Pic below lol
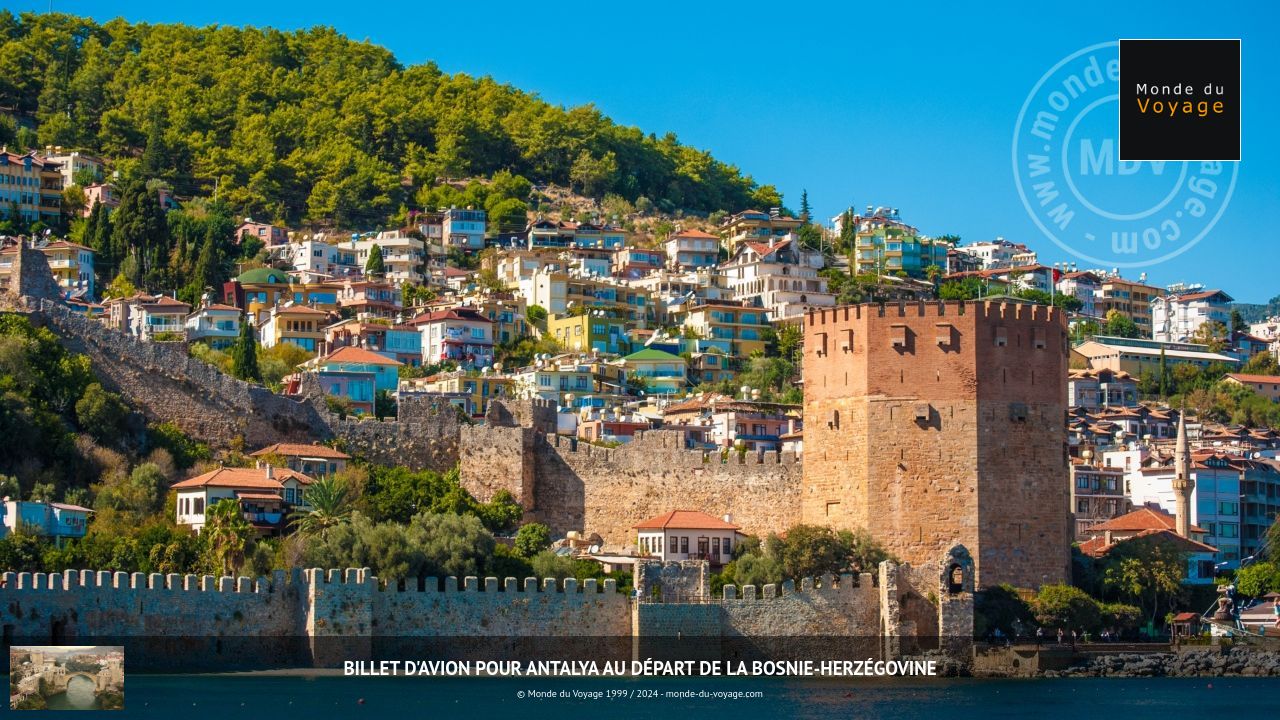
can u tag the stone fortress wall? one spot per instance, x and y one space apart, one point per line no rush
574 485
320 618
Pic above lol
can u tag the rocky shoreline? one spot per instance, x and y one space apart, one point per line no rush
1207 662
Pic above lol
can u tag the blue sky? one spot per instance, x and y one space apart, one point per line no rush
912 107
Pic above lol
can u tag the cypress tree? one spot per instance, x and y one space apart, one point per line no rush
374 267
1164 375
805 210
244 354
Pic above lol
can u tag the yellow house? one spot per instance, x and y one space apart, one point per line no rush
297 324
72 265
258 290
474 389
594 330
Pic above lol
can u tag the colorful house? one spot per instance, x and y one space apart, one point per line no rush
47 519
215 325
297 324
384 370
459 334
266 496
661 372
311 460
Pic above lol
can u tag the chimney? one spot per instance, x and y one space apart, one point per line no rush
1106 538
268 471
728 518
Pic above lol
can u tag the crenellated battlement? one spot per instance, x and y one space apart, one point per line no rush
846 587
1023 312
672 451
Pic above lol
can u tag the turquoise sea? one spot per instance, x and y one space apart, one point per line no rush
270 696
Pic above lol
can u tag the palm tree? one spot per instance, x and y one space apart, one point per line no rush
329 500
227 534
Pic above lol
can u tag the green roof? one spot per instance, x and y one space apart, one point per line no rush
263 276
651 354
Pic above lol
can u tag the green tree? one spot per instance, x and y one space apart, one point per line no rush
227 536
101 414
1148 572
244 354
1163 374
1258 579
374 266
1238 323
141 232
1120 325
328 503
1212 334
531 539
155 161
805 210
1066 607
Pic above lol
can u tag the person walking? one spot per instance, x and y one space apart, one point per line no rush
1039 637
1060 635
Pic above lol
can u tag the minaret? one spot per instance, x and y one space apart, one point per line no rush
1182 482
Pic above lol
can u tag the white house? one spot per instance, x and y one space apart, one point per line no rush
688 535
1177 317
214 324
266 495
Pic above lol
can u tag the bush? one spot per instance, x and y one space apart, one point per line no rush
1067 607
430 545
1001 607
532 539
102 414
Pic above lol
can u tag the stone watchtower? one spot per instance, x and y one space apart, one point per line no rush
937 424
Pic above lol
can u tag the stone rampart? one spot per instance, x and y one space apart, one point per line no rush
166 384
573 485
318 617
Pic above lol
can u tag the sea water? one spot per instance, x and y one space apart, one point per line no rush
257 696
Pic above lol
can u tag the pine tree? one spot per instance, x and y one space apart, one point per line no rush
374 267
805 210
141 231
244 354
155 161
90 234
106 262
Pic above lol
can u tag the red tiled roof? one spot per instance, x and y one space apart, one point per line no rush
1198 295
1097 545
302 450
219 306
253 478
352 354
763 249
1247 378
685 520
454 313
1144 518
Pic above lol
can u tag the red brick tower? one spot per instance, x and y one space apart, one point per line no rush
932 424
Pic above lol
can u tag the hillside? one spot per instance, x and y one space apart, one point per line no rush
312 127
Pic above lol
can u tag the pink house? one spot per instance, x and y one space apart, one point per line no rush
104 193
267 233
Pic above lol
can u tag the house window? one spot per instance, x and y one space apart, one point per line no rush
684 545
675 544
199 506
728 546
